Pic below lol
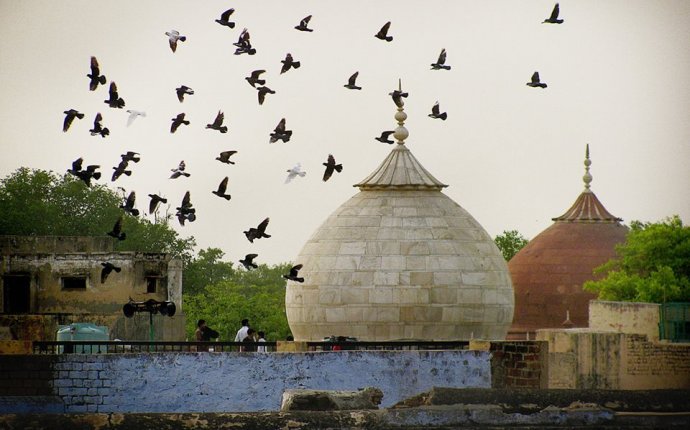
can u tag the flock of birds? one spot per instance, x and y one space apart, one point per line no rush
186 212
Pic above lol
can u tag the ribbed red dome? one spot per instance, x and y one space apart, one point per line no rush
549 272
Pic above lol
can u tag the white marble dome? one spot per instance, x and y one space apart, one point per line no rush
400 260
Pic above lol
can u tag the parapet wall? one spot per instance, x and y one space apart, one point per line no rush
226 382
625 317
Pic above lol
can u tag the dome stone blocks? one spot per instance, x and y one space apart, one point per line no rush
400 264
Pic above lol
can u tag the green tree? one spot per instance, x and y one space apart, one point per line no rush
42 203
510 242
222 295
653 265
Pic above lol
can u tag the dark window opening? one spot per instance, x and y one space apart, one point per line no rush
16 294
151 284
74 283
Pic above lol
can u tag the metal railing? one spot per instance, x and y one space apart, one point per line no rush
126 347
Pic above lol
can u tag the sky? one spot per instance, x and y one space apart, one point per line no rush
618 76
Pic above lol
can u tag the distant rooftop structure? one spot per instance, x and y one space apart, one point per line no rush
549 272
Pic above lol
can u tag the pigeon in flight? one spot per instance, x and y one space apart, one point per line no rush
95 75
535 82
384 137
114 99
225 18
98 127
128 206
108 268
435 112
177 121
218 123
179 171
295 172
182 90
69 117
155 201
84 175
222 187
553 19
76 166
186 212
292 276
280 133
121 169
330 167
383 33
398 96
248 261
243 44
258 232
351 82
288 63
173 37
262 91
253 79
224 157
133 114
130 156
303 24
117 232
441 62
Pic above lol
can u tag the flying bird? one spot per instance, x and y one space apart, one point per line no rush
248 261
177 121
292 276
218 123
303 24
280 133
253 79
383 33
225 19
95 75
133 114
128 206
179 171
182 90
224 157
243 44
155 201
130 156
435 112
553 19
262 91
441 62
288 63
351 82
222 187
117 232
398 96
108 267
258 232
330 167
186 212
384 137
76 166
121 169
173 37
69 117
295 172
535 82
98 127
84 175
114 99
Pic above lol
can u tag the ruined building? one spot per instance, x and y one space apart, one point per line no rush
51 281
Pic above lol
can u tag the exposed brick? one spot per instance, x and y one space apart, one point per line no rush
78 374
93 383
76 409
92 374
92 408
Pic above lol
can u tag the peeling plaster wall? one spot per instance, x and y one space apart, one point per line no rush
236 381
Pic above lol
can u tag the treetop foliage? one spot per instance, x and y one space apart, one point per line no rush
510 242
653 265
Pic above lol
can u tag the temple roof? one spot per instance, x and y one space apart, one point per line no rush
587 208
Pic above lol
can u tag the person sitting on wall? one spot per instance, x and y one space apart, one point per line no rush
249 339
242 332
204 333
262 338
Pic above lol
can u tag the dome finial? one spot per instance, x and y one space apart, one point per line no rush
587 178
400 133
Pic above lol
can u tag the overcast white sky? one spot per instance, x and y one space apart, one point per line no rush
618 75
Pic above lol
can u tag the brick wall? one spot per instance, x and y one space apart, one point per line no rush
519 364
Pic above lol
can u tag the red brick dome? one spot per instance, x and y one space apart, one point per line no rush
549 272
